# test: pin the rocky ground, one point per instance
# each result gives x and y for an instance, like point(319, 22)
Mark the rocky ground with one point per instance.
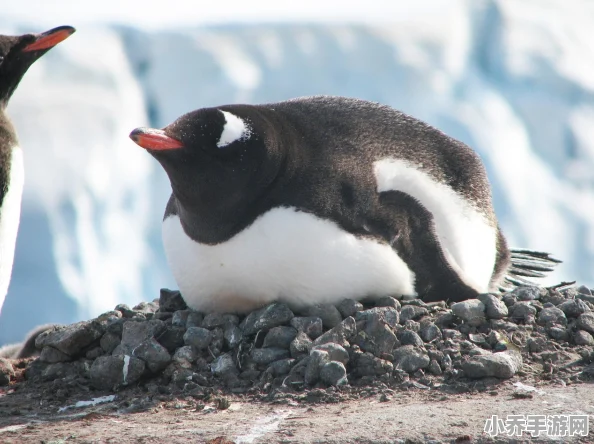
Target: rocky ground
point(391, 370)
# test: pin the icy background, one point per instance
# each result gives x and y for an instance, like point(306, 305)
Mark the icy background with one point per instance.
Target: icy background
point(514, 80)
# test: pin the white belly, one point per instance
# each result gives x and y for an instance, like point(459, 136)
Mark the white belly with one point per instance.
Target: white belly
point(284, 255)
point(10, 215)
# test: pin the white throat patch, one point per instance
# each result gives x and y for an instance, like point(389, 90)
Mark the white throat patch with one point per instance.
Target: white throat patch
point(235, 129)
point(284, 255)
point(468, 241)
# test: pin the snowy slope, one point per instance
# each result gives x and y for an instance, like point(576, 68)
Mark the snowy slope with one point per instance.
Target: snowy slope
point(515, 80)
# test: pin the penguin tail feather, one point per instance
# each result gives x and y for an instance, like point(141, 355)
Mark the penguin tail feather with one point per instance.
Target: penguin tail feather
point(526, 264)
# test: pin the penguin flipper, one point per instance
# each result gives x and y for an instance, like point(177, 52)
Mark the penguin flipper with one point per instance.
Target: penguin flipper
point(410, 229)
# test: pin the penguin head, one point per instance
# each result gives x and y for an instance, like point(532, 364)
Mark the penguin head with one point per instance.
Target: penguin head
point(216, 158)
point(18, 53)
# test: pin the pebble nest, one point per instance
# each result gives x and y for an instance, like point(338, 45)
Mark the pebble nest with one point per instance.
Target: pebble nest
point(163, 347)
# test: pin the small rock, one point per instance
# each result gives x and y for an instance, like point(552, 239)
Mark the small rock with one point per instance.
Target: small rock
point(70, 339)
point(52, 355)
point(317, 359)
point(184, 356)
point(376, 336)
point(471, 311)
point(409, 337)
point(279, 337)
point(94, 353)
point(368, 365)
point(136, 332)
point(213, 320)
point(585, 298)
point(270, 316)
point(522, 311)
point(434, 368)
point(429, 332)
point(281, 367)
point(328, 313)
point(153, 354)
point(574, 307)
point(335, 352)
point(447, 320)
point(232, 335)
point(194, 319)
point(412, 312)
point(110, 372)
point(552, 315)
point(172, 338)
point(502, 365)
point(495, 308)
point(264, 356)
point(6, 372)
point(180, 318)
point(388, 301)
point(339, 334)
point(582, 337)
point(585, 321)
point(582, 289)
point(109, 341)
point(509, 299)
point(558, 333)
point(311, 326)
point(410, 359)
point(348, 307)
point(525, 293)
point(198, 337)
point(536, 345)
point(171, 301)
point(223, 365)
point(389, 315)
point(333, 373)
point(126, 311)
point(146, 307)
point(300, 346)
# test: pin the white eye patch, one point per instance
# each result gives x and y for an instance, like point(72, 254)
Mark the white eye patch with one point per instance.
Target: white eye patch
point(234, 129)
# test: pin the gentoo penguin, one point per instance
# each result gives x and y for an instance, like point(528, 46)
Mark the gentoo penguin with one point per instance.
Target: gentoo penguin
point(17, 54)
point(317, 199)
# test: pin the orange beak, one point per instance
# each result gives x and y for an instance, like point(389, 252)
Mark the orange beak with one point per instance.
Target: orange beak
point(50, 38)
point(154, 139)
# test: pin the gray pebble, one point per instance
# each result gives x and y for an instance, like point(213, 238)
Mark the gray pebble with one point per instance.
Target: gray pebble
point(109, 342)
point(270, 316)
point(110, 372)
point(585, 322)
point(582, 289)
point(502, 365)
point(429, 332)
point(232, 335)
point(409, 337)
point(223, 365)
point(368, 365)
point(301, 345)
point(335, 352)
point(339, 334)
point(198, 337)
point(180, 318)
point(171, 301)
point(334, 373)
point(126, 311)
point(376, 336)
point(281, 367)
point(410, 359)
point(525, 293)
point(412, 312)
point(52, 355)
point(585, 297)
point(317, 359)
point(155, 356)
point(172, 338)
point(348, 307)
point(279, 337)
point(552, 315)
point(213, 320)
point(70, 339)
point(434, 368)
point(194, 319)
point(184, 356)
point(94, 353)
point(509, 299)
point(558, 333)
point(582, 337)
point(389, 315)
point(522, 311)
point(328, 313)
point(574, 307)
point(6, 372)
point(495, 308)
point(264, 356)
point(471, 311)
point(135, 333)
point(311, 326)
point(388, 301)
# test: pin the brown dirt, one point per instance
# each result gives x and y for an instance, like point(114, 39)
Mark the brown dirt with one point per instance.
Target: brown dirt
point(362, 415)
